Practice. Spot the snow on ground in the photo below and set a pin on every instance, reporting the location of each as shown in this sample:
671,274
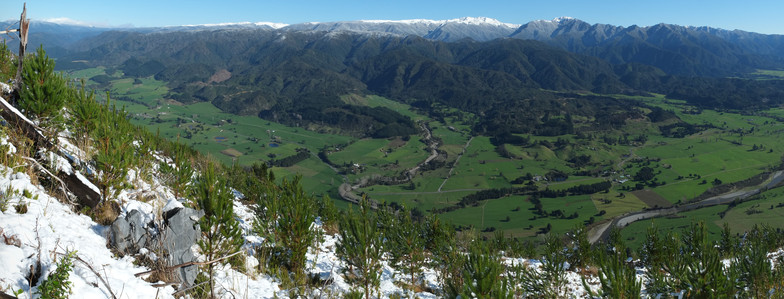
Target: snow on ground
324,262
50,228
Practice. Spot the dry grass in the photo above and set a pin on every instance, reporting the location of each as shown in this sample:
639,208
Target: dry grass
589,271
330,228
105,212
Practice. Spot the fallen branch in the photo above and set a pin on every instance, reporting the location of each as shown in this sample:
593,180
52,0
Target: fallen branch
180,292
106,284
186,264
46,171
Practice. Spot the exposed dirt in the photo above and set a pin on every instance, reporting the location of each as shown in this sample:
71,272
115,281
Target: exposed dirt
219,76
231,152
652,199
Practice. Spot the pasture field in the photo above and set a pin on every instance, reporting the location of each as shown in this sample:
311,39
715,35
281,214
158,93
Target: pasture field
377,101
481,167
87,73
424,201
615,203
387,157
768,74
522,222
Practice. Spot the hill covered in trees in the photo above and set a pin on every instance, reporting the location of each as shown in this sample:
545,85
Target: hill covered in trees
282,75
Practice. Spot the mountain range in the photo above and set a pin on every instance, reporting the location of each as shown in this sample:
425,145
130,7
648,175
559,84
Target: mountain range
290,73
671,48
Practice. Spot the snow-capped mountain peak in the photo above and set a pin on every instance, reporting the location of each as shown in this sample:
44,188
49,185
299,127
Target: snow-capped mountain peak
482,21
463,20
563,19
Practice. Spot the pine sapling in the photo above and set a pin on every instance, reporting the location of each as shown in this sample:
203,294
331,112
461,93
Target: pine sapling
361,247
221,235
406,245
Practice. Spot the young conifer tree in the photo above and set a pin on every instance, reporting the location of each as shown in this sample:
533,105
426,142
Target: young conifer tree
698,270
549,281
406,245
181,173
115,151
482,275
361,246
296,214
618,279
581,253
84,112
45,91
221,235
445,256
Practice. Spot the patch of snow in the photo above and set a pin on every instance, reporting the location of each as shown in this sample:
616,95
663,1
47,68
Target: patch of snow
270,24
15,111
6,88
273,25
57,162
239,285
172,204
4,142
562,19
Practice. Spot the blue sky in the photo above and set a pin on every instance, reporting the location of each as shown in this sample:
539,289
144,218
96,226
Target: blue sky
758,16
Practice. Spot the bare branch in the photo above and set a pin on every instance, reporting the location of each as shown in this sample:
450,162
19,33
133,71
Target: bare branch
187,264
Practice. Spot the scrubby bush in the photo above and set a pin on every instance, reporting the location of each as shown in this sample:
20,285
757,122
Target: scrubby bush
57,286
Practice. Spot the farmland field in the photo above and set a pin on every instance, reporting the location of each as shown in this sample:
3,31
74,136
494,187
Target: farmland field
646,167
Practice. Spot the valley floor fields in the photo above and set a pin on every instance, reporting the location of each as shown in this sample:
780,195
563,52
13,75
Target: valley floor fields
524,189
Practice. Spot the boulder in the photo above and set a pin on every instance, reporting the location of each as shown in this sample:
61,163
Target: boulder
121,233
180,234
139,233
129,233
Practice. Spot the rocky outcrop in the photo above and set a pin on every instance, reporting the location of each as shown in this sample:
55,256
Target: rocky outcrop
180,234
173,241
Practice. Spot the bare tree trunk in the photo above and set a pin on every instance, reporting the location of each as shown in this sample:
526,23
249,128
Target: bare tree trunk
85,194
24,25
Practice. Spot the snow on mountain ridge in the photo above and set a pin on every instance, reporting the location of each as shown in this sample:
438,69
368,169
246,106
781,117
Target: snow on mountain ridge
463,20
270,24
